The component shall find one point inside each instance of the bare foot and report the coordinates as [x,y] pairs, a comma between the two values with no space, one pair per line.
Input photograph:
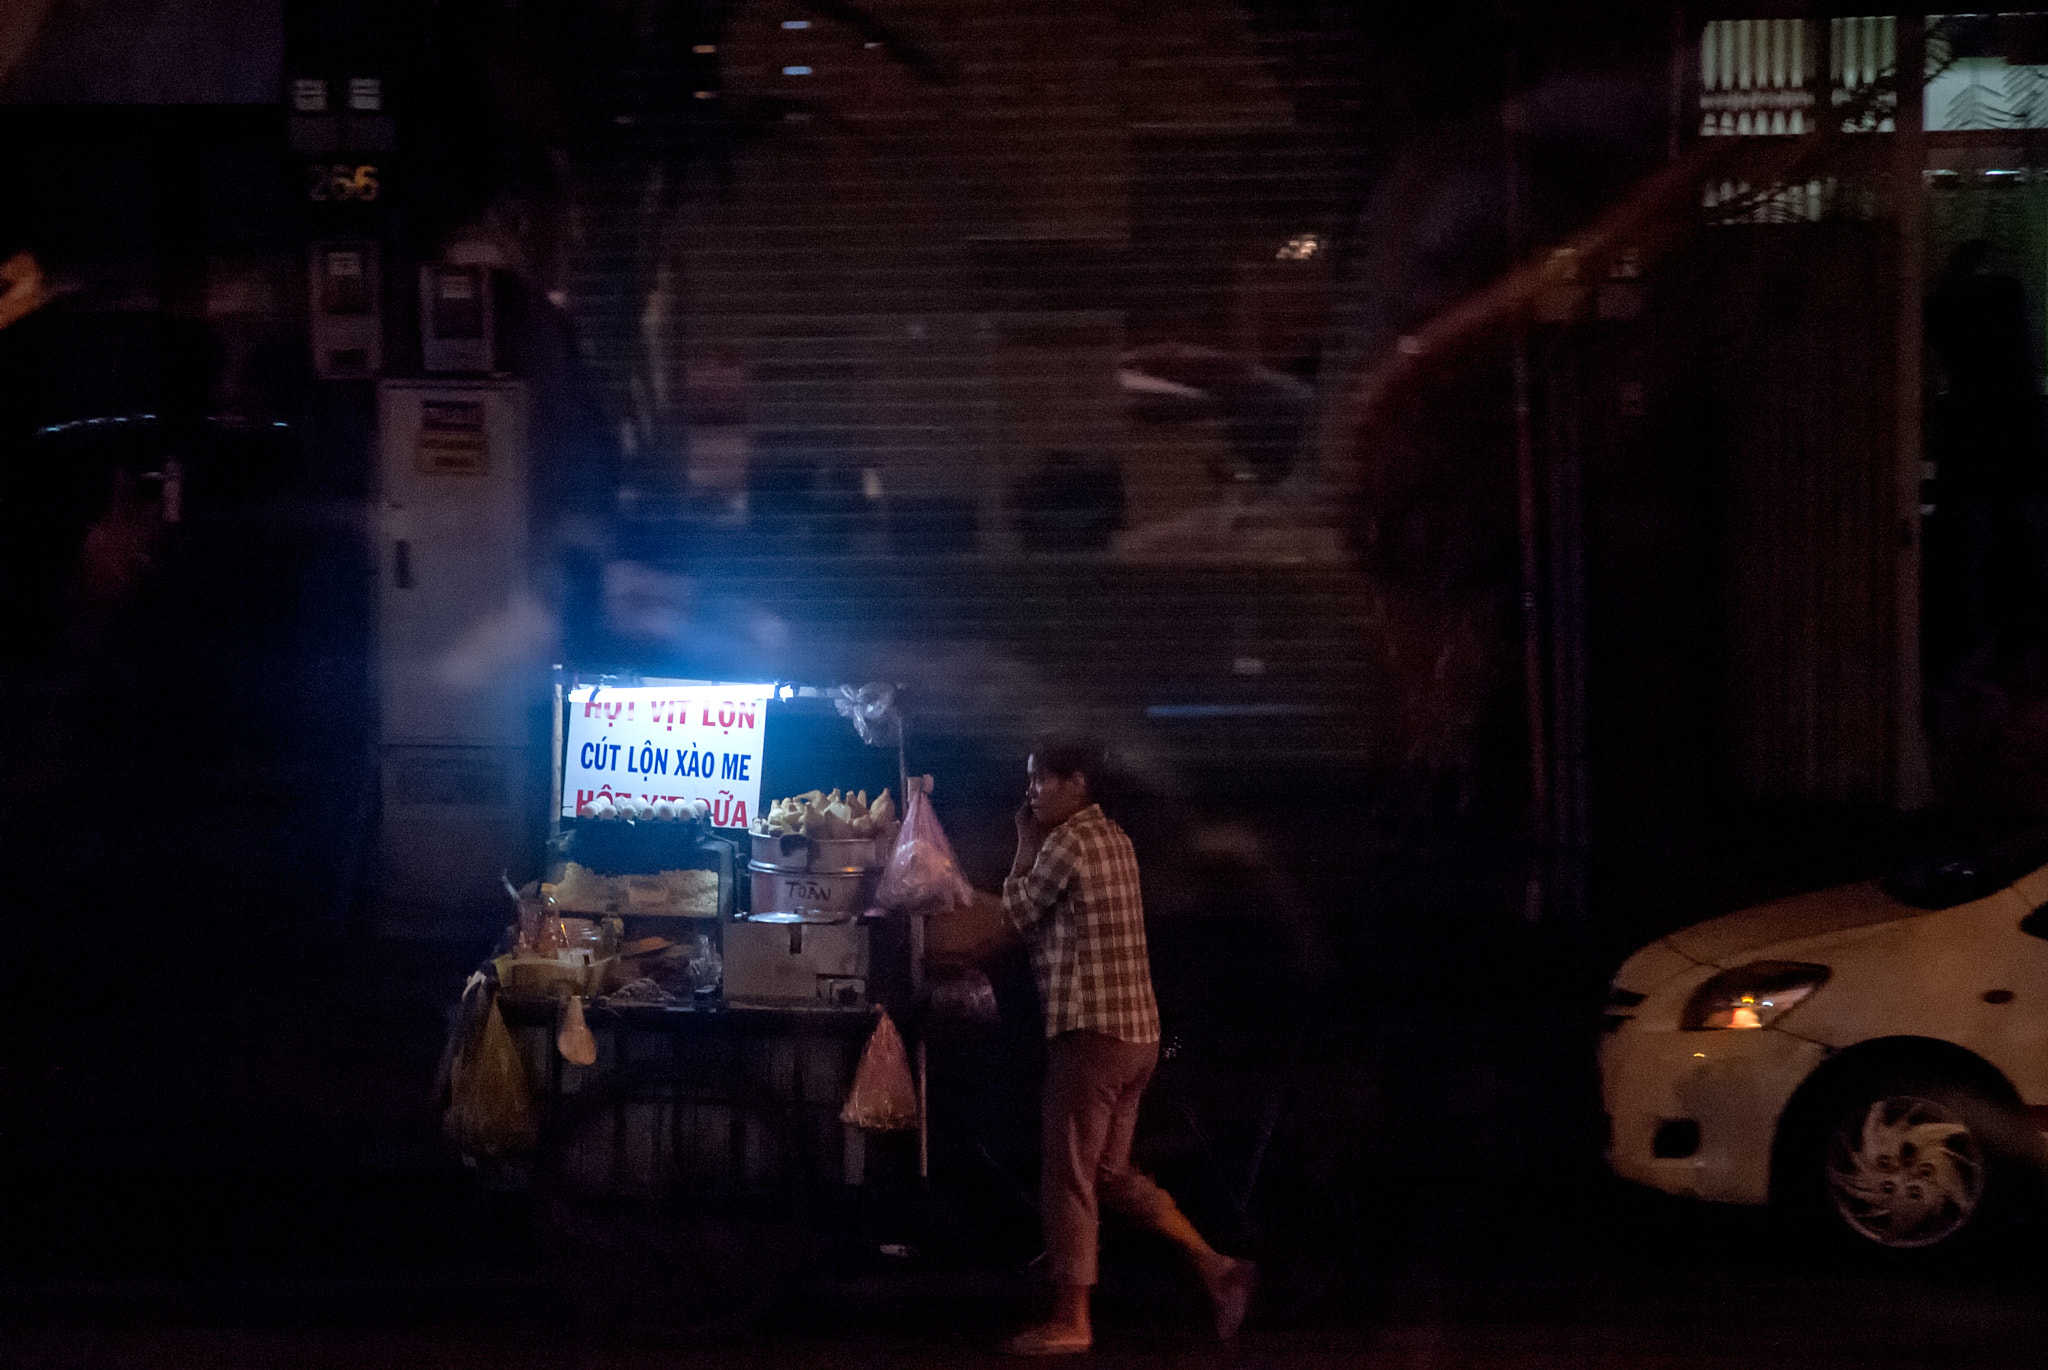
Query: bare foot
[1230,1294]
[1050,1339]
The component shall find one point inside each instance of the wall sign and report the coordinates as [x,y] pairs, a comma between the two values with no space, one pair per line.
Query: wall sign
[452,440]
[673,742]
[343,182]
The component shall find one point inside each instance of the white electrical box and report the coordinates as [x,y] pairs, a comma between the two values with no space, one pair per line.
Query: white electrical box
[451,820]
[347,311]
[461,651]
[458,325]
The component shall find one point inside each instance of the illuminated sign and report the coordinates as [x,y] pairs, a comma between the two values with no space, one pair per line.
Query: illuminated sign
[674,743]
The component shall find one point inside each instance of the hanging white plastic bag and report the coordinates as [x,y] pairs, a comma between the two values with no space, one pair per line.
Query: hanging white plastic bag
[922,875]
[883,1097]
[872,711]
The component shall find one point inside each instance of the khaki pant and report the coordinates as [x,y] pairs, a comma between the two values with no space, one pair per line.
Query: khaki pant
[1090,1109]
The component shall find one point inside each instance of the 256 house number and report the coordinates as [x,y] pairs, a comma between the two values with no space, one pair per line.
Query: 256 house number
[327,183]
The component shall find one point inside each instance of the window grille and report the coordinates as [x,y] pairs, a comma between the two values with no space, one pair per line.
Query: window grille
[1987,72]
[1756,77]
[1862,53]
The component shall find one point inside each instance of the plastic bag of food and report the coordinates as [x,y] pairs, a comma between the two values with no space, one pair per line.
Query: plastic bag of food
[922,874]
[490,1108]
[883,1097]
[465,1023]
[962,995]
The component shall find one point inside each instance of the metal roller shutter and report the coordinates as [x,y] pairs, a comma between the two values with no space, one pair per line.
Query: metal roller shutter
[975,345]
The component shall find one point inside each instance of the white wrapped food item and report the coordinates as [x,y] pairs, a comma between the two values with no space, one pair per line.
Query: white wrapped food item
[602,807]
[665,811]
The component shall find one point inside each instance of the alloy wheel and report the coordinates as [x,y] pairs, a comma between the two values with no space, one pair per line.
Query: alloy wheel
[1906,1172]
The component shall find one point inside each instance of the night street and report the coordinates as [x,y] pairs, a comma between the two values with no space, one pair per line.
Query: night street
[271,1224]
[849,683]
[1645,1287]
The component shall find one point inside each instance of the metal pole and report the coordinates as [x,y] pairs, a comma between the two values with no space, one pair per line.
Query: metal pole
[916,931]
[1911,784]
[1513,135]
[916,928]
[1680,51]
[555,770]
[1565,469]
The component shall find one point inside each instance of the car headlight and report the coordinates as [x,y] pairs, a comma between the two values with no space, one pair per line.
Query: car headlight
[1751,996]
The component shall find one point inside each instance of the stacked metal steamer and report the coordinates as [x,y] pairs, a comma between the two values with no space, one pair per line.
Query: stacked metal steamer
[804,942]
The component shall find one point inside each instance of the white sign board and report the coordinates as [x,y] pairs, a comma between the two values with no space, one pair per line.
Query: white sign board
[673,742]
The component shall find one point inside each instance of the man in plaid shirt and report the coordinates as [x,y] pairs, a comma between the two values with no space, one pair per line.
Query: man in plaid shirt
[1073,897]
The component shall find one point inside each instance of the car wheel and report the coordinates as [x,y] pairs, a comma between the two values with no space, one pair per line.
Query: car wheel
[1902,1164]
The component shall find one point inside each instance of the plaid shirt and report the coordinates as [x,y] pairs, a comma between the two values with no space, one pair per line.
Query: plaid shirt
[1079,910]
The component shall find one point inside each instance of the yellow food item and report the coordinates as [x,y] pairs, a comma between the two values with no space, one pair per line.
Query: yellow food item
[580,890]
[838,816]
[646,894]
[694,894]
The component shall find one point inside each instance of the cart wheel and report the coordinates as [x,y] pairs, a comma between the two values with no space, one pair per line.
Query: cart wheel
[679,1252]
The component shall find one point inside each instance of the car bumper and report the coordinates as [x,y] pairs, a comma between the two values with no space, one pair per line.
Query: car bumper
[1710,1101]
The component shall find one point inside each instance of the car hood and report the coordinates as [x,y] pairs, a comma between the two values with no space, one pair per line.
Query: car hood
[1734,938]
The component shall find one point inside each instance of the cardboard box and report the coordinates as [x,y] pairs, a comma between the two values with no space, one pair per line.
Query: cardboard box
[969,934]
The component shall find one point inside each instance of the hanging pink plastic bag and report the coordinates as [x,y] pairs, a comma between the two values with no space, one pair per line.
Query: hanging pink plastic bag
[922,874]
[884,1096]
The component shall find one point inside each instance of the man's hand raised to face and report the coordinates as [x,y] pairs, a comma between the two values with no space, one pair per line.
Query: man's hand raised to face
[1030,837]
[21,288]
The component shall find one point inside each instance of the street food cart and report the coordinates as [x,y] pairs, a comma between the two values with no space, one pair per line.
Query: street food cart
[690,985]
[689,990]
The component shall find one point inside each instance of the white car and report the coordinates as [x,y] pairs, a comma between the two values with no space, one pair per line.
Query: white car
[1875,1055]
